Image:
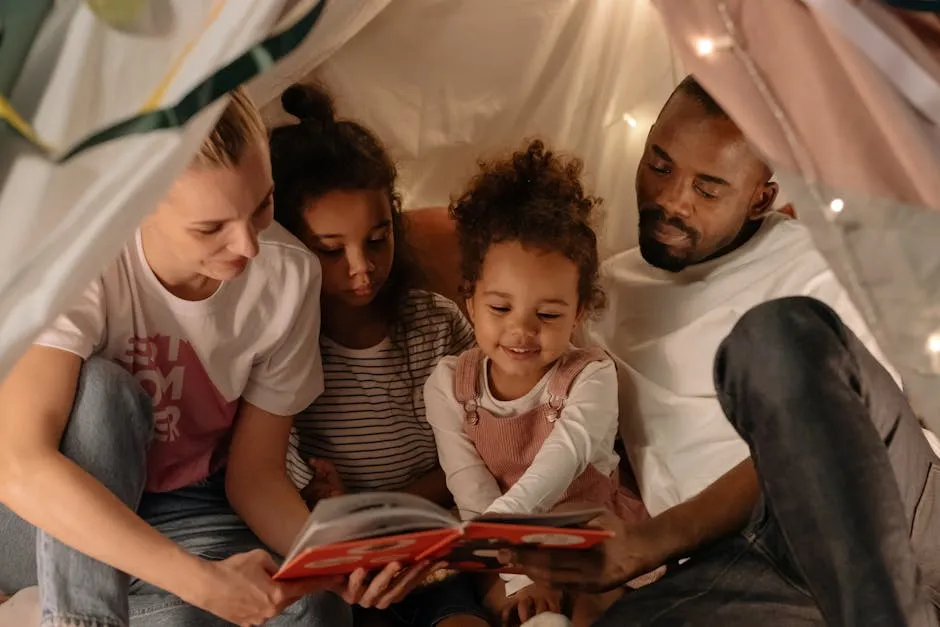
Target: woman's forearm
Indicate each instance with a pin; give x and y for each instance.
(54, 494)
(270, 505)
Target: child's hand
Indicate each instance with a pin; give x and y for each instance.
(530, 601)
(389, 585)
(326, 482)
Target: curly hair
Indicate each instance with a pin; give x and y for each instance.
(535, 197)
(321, 154)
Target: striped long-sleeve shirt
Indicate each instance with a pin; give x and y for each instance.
(370, 420)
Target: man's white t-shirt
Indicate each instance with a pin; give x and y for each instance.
(255, 338)
(663, 330)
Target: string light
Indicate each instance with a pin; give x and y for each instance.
(933, 343)
(630, 120)
(837, 205)
(706, 46)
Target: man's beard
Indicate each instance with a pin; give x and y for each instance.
(656, 253)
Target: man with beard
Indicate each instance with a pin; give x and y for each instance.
(803, 490)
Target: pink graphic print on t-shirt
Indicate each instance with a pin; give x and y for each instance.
(192, 419)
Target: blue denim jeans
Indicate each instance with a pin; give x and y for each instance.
(848, 530)
(108, 433)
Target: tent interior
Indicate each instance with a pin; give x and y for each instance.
(104, 103)
(446, 82)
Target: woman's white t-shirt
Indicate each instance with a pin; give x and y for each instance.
(255, 338)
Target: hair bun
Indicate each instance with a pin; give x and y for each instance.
(309, 103)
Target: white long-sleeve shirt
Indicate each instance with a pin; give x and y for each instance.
(584, 434)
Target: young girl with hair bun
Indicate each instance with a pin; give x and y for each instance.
(380, 337)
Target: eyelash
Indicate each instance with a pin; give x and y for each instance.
(542, 316)
(335, 252)
(218, 227)
(705, 194)
(663, 171)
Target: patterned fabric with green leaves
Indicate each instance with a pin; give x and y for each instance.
(14, 49)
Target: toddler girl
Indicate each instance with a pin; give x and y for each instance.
(526, 422)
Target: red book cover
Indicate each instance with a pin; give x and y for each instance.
(373, 529)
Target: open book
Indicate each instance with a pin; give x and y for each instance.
(369, 530)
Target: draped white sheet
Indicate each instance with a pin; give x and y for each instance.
(444, 82)
(60, 223)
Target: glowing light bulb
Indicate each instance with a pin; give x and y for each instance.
(630, 120)
(933, 343)
(704, 46)
(837, 205)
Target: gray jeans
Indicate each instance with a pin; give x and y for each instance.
(108, 434)
(848, 533)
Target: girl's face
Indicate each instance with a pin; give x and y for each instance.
(353, 237)
(210, 221)
(524, 310)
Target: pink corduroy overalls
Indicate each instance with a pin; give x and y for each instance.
(508, 445)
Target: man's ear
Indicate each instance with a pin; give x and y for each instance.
(763, 201)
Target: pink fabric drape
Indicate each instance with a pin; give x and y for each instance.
(848, 127)
(843, 99)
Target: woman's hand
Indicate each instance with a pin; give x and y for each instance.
(326, 482)
(389, 586)
(241, 590)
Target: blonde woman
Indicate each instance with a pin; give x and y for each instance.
(127, 430)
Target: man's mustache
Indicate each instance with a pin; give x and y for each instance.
(652, 215)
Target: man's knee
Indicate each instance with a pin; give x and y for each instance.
(783, 324)
(779, 337)
(777, 351)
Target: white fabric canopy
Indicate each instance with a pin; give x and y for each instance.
(446, 82)
(60, 223)
(443, 82)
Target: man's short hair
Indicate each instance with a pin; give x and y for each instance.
(694, 90)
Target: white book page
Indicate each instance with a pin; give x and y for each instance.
(367, 515)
